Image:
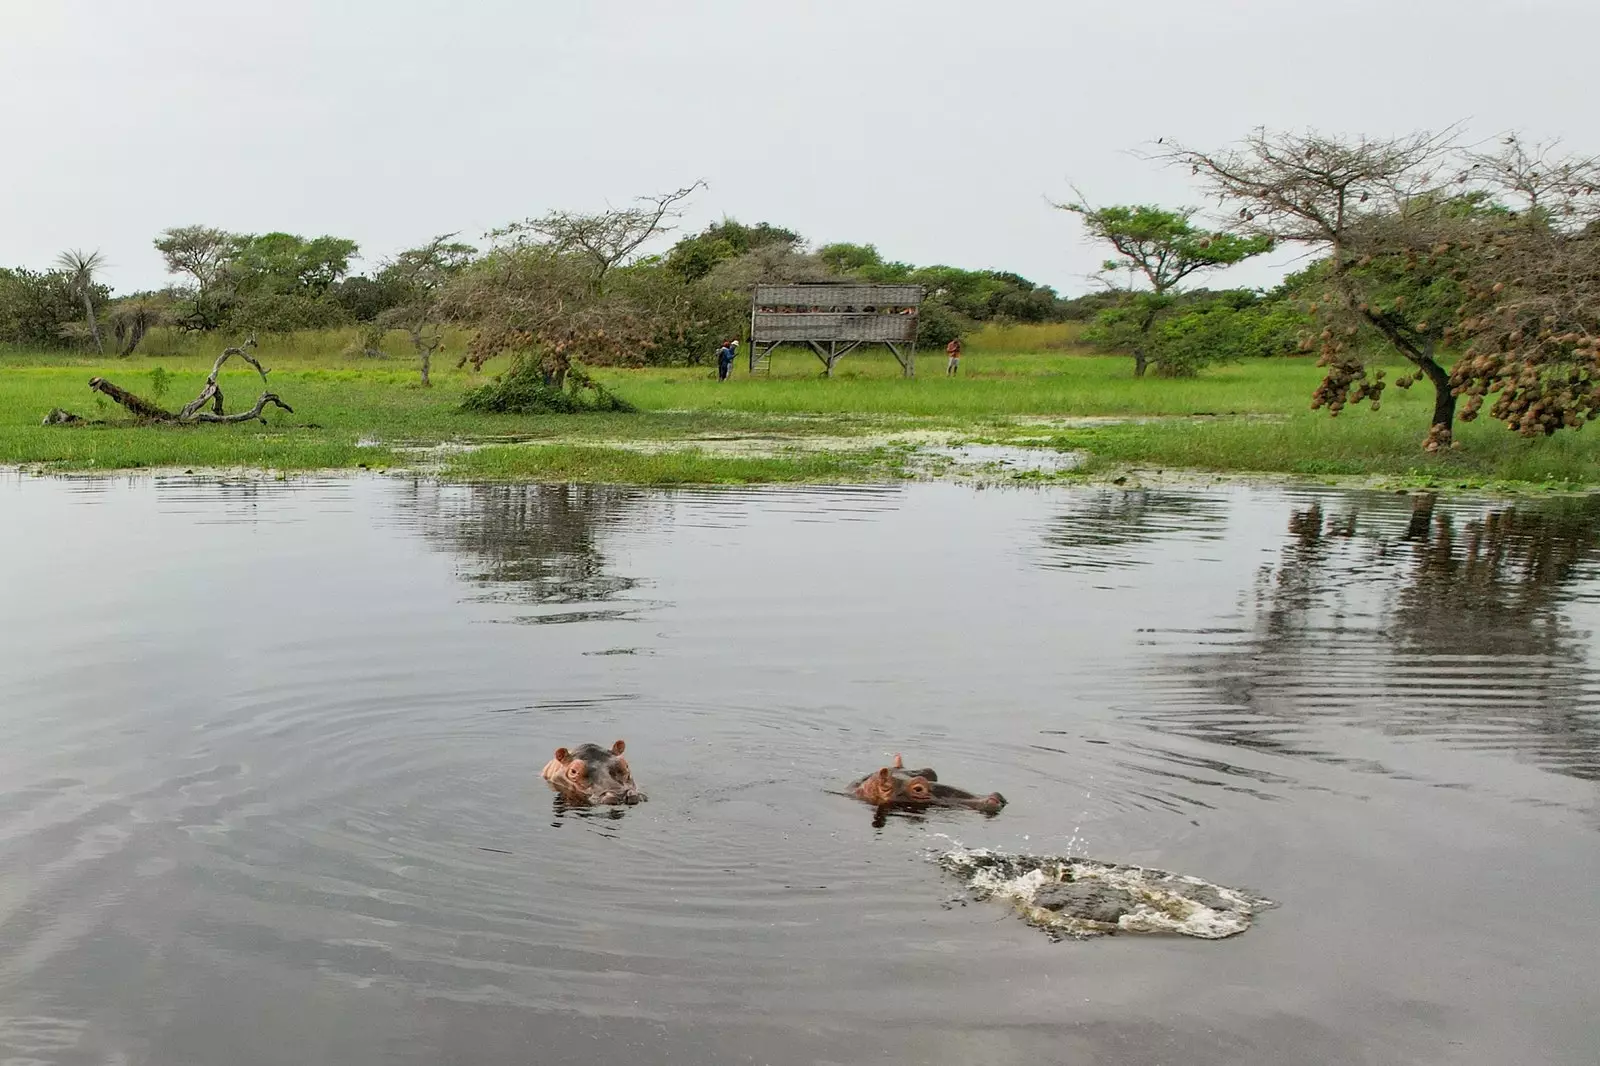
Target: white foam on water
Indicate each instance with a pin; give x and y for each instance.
(1164, 902)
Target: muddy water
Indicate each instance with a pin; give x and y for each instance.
(269, 758)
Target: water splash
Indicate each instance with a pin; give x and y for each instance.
(1081, 898)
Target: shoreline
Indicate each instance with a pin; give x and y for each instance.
(916, 464)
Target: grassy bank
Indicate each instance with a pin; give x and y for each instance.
(355, 411)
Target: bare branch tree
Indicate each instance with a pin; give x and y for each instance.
(421, 276)
(610, 238)
(1354, 201)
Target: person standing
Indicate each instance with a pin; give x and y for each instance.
(953, 350)
(724, 360)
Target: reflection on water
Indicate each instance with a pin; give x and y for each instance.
(528, 543)
(1111, 529)
(1418, 617)
(270, 793)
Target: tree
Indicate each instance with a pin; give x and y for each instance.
(539, 305)
(203, 254)
(1530, 318)
(418, 278)
(288, 264)
(133, 316)
(80, 269)
(1164, 247)
(1426, 246)
(692, 258)
(1372, 207)
(608, 239)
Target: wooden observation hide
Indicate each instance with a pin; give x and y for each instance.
(833, 318)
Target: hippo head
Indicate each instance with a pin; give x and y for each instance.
(879, 788)
(592, 774)
(899, 787)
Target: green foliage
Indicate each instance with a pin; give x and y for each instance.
(42, 309)
(202, 254)
(1163, 245)
(288, 264)
(285, 313)
(938, 325)
(160, 382)
(527, 389)
(1225, 328)
(274, 282)
(692, 258)
(862, 261)
(364, 298)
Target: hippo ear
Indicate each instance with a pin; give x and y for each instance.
(883, 776)
(562, 755)
(898, 764)
(618, 748)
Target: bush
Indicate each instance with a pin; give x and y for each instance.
(41, 309)
(525, 389)
(1225, 332)
(938, 325)
(286, 313)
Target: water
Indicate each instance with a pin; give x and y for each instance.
(269, 761)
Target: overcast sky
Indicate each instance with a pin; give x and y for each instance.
(935, 129)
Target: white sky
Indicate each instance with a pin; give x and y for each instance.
(934, 129)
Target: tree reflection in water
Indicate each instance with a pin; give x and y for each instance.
(526, 543)
(1107, 529)
(1447, 620)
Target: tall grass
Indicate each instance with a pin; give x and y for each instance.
(1026, 337)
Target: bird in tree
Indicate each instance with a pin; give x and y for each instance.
(80, 269)
(1164, 247)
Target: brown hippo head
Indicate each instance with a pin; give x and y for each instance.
(592, 774)
(898, 787)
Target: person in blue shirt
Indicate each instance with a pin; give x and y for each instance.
(724, 360)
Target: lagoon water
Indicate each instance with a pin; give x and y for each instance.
(269, 759)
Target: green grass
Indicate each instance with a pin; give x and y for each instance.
(684, 466)
(1355, 444)
(352, 410)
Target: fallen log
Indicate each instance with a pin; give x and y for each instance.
(193, 411)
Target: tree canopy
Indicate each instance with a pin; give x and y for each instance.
(1159, 248)
(1425, 247)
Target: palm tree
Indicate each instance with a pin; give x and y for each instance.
(80, 270)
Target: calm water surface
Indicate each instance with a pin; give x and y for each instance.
(269, 762)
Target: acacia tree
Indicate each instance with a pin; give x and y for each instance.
(605, 240)
(419, 277)
(1426, 247)
(1164, 247)
(539, 305)
(203, 254)
(80, 269)
(1363, 204)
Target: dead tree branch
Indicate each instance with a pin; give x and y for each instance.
(193, 411)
